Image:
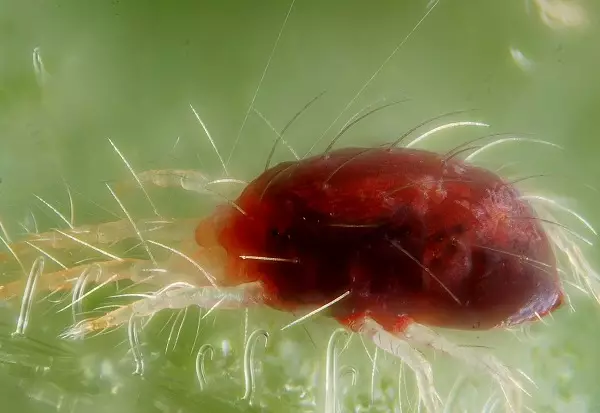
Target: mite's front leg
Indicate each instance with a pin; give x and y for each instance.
(175, 296)
(188, 180)
(101, 272)
(92, 238)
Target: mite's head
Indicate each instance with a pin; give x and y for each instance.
(247, 231)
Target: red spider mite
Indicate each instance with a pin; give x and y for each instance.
(408, 235)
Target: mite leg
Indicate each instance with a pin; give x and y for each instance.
(91, 236)
(188, 180)
(402, 349)
(419, 335)
(98, 273)
(174, 296)
(200, 267)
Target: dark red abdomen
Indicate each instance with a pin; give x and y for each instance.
(405, 232)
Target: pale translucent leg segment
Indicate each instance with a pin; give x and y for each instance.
(419, 335)
(91, 236)
(175, 296)
(98, 273)
(188, 180)
(409, 355)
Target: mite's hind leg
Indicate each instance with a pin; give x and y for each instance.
(175, 296)
(371, 329)
(420, 335)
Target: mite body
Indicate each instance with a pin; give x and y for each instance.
(406, 234)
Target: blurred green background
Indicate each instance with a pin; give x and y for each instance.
(73, 74)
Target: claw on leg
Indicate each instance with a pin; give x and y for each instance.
(174, 296)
